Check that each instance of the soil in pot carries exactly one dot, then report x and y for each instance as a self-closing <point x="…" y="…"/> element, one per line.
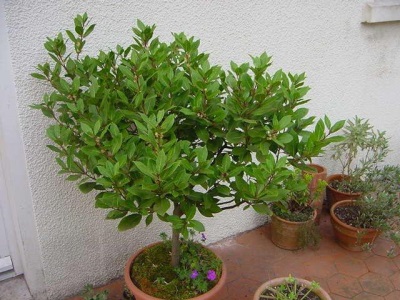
<point x="153" y="274"/>
<point x="333" y="195"/>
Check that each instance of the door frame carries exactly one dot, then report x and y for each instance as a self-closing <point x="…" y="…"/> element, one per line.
<point x="20" y="220"/>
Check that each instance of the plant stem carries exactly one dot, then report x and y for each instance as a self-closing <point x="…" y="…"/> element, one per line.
<point x="176" y="245"/>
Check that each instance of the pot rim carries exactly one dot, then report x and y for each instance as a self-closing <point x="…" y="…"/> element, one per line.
<point x="333" y="177"/>
<point x="140" y="293"/>
<point x="337" y="220"/>
<point x="277" y="281"/>
<point x="320" y="169"/>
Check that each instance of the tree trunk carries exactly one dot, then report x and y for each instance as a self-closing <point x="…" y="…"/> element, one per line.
<point x="176" y="245"/>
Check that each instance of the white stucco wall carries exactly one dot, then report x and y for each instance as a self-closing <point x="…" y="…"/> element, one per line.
<point x="352" y="69"/>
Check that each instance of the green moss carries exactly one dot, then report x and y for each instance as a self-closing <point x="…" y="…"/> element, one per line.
<point x="154" y="275"/>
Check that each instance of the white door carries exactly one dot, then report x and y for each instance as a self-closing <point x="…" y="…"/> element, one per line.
<point x="6" y="266"/>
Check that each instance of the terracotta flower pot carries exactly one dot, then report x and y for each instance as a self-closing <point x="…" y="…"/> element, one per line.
<point x="349" y="237"/>
<point x="333" y="196"/>
<point x="319" y="174"/>
<point x="320" y="292"/>
<point x="286" y="234"/>
<point x="215" y="293"/>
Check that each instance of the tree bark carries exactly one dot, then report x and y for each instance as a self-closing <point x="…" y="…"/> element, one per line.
<point x="176" y="245"/>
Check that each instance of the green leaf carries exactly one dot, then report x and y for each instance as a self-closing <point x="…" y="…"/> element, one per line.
<point x="89" y="30"/>
<point x="196" y="225"/>
<point x="54" y="148"/>
<point x="116" y="214"/>
<point x="235" y="137"/>
<point x="262" y="209"/>
<point x="226" y="163"/>
<point x="71" y="35"/>
<point x="201" y="154"/>
<point x="149" y="219"/>
<point x="190" y="212"/>
<point x="168" y="123"/>
<point x="203" y="134"/>
<point x="129" y="222"/>
<point x="144" y="169"/>
<point x="162" y="206"/>
<point x="160" y="161"/>
<point x="73" y="177"/>
<point x="327" y="122"/>
<point x="38" y="76"/>
<point x="86" y="129"/>
<point x="285" y="138"/>
<point x="87" y="187"/>
<point x="284" y="122"/>
<point x="116" y="144"/>
<point x="337" y="126"/>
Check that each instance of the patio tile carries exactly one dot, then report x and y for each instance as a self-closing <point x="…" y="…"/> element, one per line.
<point x="395" y="279"/>
<point x="322" y="267"/>
<point x="376" y="284"/>
<point x="381" y="265"/>
<point x="393" y="296"/>
<point x="337" y="297"/>
<point x="242" y="289"/>
<point x="349" y="265"/>
<point x="384" y="247"/>
<point x="344" y="285"/>
<point x="367" y="296"/>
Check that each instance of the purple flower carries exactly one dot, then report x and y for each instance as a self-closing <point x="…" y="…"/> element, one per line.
<point x="211" y="275"/>
<point x="203" y="237"/>
<point x="194" y="274"/>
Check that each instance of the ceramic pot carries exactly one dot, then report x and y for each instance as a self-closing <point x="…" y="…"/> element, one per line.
<point x="320" y="292"/>
<point x="333" y="196"/>
<point x="319" y="174"/>
<point x="286" y="234"/>
<point x="349" y="237"/>
<point x="215" y="293"/>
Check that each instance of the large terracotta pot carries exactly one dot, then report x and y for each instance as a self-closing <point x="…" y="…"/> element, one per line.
<point x="349" y="237"/>
<point x="319" y="173"/>
<point x="286" y="234"/>
<point x="320" y="292"/>
<point x="333" y="196"/>
<point x="215" y="293"/>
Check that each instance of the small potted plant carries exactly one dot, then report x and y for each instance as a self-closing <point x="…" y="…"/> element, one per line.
<point x="156" y="130"/>
<point x="358" y="154"/>
<point x="291" y="288"/>
<point x="293" y="220"/>
<point x="357" y="223"/>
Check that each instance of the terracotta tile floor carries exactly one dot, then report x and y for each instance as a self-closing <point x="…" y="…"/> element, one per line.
<point x="251" y="259"/>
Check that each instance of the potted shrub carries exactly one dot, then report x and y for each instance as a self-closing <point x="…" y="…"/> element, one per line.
<point x="293" y="220"/>
<point x="357" y="223"/>
<point x="358" y="154"/>
<point x="156" y="130"/>
<point x="290" y="288"/>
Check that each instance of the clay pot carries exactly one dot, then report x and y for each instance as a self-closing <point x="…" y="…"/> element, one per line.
<point x="215" y="293"/>
<point x="286" y="234"/>
<point x="320" y="292"/>
<point x="319" y="174"/>
<point x="349" y="237"/>
<point x="333" y="196"/>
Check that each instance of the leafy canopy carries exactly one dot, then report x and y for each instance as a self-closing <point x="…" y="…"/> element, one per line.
<point x="158" y="130"/>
